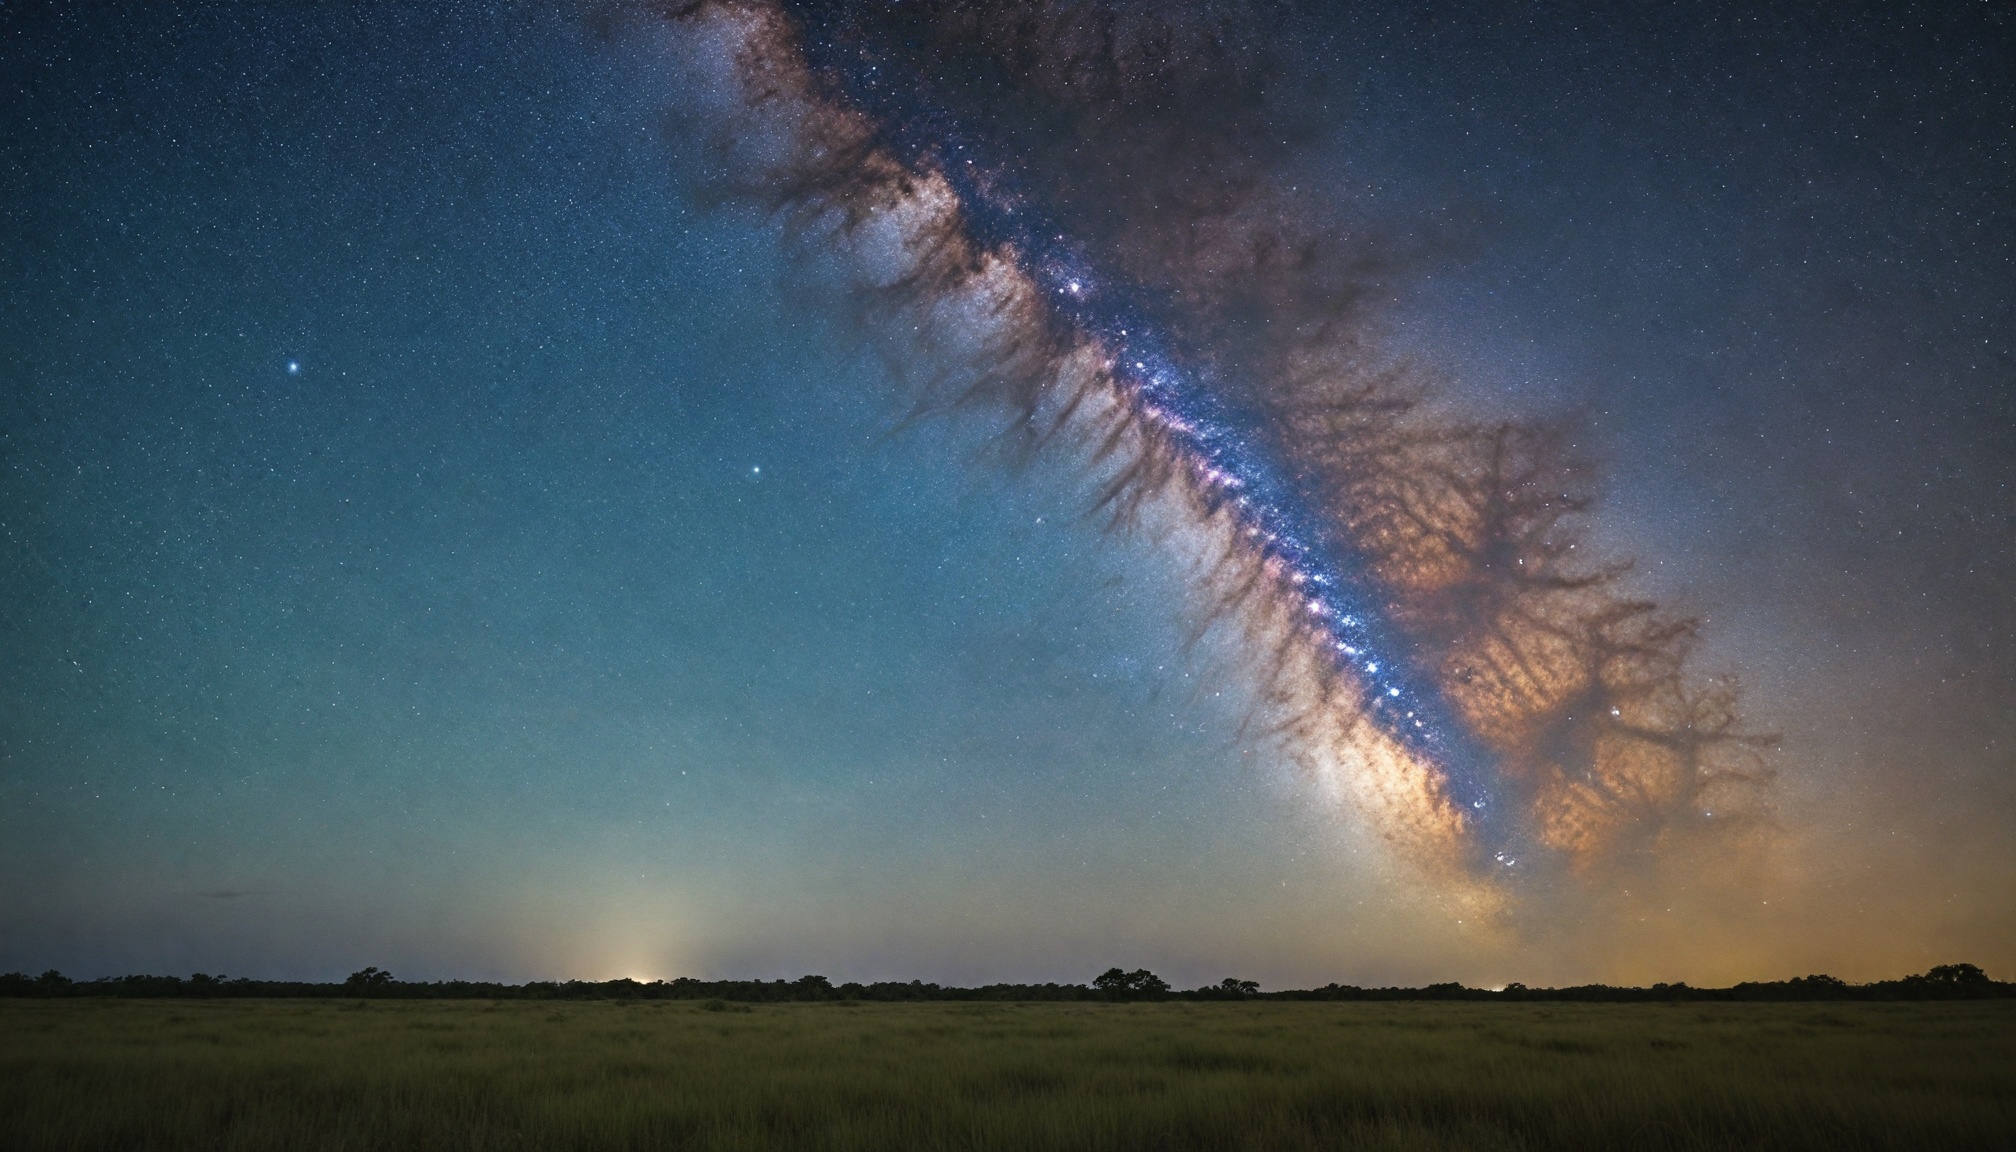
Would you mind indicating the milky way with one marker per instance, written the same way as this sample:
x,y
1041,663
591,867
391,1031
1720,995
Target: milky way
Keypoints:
x,y
1428,630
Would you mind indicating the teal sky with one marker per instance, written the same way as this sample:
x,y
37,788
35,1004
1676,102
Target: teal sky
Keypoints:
x,y
432,540
571,608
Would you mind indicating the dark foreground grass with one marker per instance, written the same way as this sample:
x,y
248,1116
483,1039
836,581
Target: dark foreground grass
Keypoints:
x,y
292,1074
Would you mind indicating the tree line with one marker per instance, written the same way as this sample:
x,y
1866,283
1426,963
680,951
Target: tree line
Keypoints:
x,y
1944,982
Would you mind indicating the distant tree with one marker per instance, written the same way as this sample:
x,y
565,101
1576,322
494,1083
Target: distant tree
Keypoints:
x,y
1136,985
1959,975
368,979
1232,986
1146,983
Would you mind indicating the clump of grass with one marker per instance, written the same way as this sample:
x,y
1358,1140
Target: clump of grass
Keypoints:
x,y
472,1076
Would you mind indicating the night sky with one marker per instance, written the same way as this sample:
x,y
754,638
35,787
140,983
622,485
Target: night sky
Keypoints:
x,y
447,527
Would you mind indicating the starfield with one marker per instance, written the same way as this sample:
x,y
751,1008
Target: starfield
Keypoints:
x,y
1493,526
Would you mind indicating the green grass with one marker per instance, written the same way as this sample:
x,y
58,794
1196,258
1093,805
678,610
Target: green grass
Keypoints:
x,y
295,1074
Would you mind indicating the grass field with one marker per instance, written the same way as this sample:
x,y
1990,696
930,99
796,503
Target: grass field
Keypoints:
x,y
303,1074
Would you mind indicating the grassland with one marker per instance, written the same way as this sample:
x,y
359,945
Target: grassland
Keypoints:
x,y
320,1075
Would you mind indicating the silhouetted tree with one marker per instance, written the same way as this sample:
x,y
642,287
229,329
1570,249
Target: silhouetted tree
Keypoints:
x,y
368,980
1136,985
1958,975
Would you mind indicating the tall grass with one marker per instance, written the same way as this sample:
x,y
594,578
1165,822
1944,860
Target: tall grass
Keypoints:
x,y
218,1075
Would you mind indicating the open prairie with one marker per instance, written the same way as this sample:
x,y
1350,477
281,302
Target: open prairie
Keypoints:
x,y
330,1075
